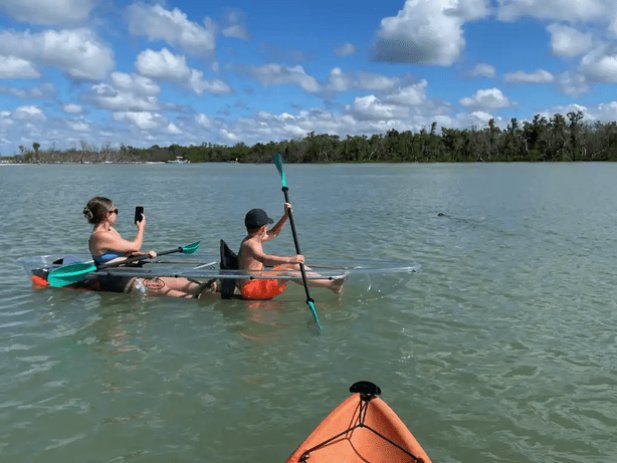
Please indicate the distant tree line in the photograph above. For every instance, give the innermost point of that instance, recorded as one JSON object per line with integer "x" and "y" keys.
{"x": 559, "y": 138}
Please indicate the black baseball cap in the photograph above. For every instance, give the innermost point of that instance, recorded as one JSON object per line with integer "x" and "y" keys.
{"x": 255, "y": 218}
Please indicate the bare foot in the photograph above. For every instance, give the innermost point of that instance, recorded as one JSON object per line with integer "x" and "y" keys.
{"x": 337, "y": 285}
{"x": 209, "y": 287}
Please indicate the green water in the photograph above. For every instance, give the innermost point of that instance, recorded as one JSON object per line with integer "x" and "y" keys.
{"x": 501, "y": 348}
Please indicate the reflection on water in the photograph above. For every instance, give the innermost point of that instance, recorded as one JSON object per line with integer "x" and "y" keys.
{"x": 501, "y": 348}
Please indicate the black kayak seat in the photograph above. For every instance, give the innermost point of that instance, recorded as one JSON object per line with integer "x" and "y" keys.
{"x": 229, "y": 261}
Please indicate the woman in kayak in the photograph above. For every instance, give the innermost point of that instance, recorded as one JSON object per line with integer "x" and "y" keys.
{"x": 107, "y": 246}
{"x": 252, "y": 257}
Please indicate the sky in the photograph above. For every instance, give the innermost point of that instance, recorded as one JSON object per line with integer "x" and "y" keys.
{"x": 97, "y": 73}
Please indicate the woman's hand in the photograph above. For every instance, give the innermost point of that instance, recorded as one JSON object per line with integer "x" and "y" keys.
{"x": 141, "y": 225}
{"x": 151, "y": 254}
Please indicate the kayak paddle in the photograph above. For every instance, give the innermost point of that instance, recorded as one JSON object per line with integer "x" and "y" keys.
{"x": 278, "y": 161}
{"x": 73, "y": 273}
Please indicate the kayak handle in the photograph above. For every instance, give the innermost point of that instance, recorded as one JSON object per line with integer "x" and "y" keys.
{"x": 366, "y": 389}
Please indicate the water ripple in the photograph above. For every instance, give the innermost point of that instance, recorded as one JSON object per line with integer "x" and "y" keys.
{"x": 500, "y": 349}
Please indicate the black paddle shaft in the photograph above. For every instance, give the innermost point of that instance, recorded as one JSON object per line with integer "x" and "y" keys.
{"x": 130, "y": 260}
{"x": 297, "y": 245}
{"x": 291, "y": 222}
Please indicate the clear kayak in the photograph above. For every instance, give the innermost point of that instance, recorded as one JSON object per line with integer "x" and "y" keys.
{"x": 361, "y": 429}
{"x": 365, "y": 274}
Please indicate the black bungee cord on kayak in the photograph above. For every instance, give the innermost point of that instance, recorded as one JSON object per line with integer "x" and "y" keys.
{"x": 368, "y": 391}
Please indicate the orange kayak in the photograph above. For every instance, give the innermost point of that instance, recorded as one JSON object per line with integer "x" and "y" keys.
{"x": 363, "y": 429}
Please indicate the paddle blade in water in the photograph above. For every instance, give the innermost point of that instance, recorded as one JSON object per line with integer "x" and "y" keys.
{"x": 311, "y": 305}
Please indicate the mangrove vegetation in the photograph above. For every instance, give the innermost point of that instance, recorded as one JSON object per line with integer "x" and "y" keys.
{"x": 559, "y": 138}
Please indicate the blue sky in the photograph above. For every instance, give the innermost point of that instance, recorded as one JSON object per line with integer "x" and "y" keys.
{"x": 105, "y": 73}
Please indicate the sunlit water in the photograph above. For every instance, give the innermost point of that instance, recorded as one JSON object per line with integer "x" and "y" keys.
{"x": 502, "y": 348}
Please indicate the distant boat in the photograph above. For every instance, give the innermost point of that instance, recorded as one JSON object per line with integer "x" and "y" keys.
{"x": 178, "y": 160}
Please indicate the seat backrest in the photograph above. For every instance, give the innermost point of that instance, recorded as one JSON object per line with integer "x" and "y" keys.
{"x": 229, "y": 261}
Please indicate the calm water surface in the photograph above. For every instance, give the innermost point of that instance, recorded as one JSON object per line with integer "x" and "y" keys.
{"x": 501, "y": 349}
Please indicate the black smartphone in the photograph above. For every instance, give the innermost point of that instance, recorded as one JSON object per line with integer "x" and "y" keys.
{"x": 139, "y": 210}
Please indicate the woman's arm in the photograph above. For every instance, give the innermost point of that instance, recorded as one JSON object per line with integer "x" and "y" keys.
{"x": 113, "y": 241}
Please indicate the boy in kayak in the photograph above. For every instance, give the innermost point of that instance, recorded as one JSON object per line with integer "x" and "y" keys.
{"x": 252, "y": 257}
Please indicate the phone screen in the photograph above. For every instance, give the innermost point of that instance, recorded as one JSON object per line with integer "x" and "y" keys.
{"x": 139, "y": 210}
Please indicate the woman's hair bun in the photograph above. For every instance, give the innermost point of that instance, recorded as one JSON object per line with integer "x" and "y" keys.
{"x": 88, "y": 214}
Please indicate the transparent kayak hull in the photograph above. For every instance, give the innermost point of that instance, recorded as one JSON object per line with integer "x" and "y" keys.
{"x": 365, "y": 277}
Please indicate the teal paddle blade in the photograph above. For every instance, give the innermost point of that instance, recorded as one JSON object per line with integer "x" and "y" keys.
{"x": 311, "y": 305}
{"x": 190, "y": 248}
{"x": 278, "y": 162}
{"x": 73, "y": 273}
{"x": 70, "y": 274}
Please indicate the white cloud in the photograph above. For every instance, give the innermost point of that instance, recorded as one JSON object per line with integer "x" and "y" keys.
{"x": 486, "y": 99}
{"x": 483, "y": 70}
{"x": 172, "y": 26}
{"x": 200, "y": 85}
{"x": 125, "y": 93}
{"x": 276, "y": 74}
{"x": 12, "y": 67}
{"x": 72, "y": 108}
{"x": 143, "y": 120}
{"x": 173, "y": 129}
{"x": 235, "y": 31}
{"x": 539, "y": 77}
{"x": 48, "y": 12}
{"x": 613, "y": 25}
{"x": 266, "y": 126}
{"x": 235, "y": 27}
{"x": 376, "y": 82}
{"x": 45, "y": 90}
{"x": 371, "y": 107}
{"x": 338, "y": 81}
{"x": 607, "y": 111}
{"x": 567, "y": 41}
{"x": 467, "y": 10}
{"x": 79, "y": 126}
{"x": 345, "y": 49}
{"x": 162, "y": 65}
{"x": 29, "y": 113}
{"x": 553, "y": 10}
{"x": 427, "y": 31}
{"x": 167, "y": 66}
{"x": 481, "y": 116}
{"x": 572, "y": 83}
{"x": 412, "y": 95}
{"x": 135, "y": 84}
{"x": 229, "y": 136}
{"x": 600, "y": 65}
{"x": 203, "y": 120}
{"x": 77, "y": 53}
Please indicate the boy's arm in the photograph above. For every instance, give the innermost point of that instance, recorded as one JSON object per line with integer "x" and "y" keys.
{"x": 276, "y": 230}
{"x": 250, "y": 250}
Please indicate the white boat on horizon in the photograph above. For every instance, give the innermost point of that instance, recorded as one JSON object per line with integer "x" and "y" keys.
{"x": 179, "y": 160}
